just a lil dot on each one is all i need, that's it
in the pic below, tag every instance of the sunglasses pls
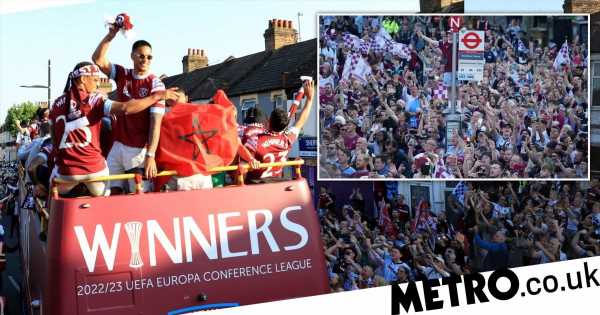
(142, 56)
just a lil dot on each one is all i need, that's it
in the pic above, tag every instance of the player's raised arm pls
(99, 55)
(309, 87)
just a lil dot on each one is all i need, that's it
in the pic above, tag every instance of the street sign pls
(471, 41)
(455, 23)
(307, 146)
(470, 55)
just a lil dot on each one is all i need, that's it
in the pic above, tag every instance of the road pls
(12, 276)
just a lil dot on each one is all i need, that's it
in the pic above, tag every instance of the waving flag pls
(383, 40)
(385, 222)
(121, 22)
(352, 42)
(441, 171)
(440, 92)
(356, 67)
(298, 98)
(562, 57)
(195, 138)
(459, 192)
(423, 219)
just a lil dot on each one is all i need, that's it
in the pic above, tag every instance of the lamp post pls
(39, 86)
(299, 15)
(453, 119)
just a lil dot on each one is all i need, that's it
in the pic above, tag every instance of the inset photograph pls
(453, 97)
(396, 232)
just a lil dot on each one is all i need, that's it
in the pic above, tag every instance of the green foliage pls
(23, 112)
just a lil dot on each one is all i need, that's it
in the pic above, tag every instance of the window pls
(246, 105)
(278, 101)
(418, 193)
(583, 32)
(540, 21)
(596, 83)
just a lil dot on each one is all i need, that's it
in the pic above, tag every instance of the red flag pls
(296, 102)
(197, 137)
(385, 222)
(421, 216)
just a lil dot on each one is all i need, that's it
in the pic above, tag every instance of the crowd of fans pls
(8, 194)
(9, 209)
(489, 226)
(384, 99)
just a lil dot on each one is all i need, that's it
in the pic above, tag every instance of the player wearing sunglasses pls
(135, 136)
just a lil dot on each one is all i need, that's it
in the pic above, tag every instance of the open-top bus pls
(172, 252)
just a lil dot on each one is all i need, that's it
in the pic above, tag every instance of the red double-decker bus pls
(173, 252)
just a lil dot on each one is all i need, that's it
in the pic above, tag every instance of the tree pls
(23, 112)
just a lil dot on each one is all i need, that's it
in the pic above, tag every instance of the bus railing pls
(44, 216)
(241, 168)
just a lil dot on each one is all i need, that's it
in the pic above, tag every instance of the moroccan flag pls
(197, 137)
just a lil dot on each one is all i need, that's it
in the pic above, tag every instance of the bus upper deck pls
(175, 252)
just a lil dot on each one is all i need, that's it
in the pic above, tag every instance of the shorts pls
(198, 181)
(123, 159)
(95, 188)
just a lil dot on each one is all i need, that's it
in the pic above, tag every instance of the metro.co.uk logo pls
(503, 284)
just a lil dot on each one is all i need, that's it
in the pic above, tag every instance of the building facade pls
(444, 6)
(592, 7)
(581, 6)
(267, 80)
(8, 150)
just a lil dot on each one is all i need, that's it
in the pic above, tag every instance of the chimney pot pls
(202, 52)
(189, 51)
(290, 24)
(278, 23)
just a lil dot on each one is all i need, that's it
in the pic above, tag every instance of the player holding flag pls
(274, 144)
(136, 136)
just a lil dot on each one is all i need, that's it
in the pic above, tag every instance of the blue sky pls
(514, 6)
(69, 31)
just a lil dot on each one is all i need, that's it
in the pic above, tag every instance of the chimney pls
(195, 59)
(279, 33)
(429, 6)
(580, 6)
